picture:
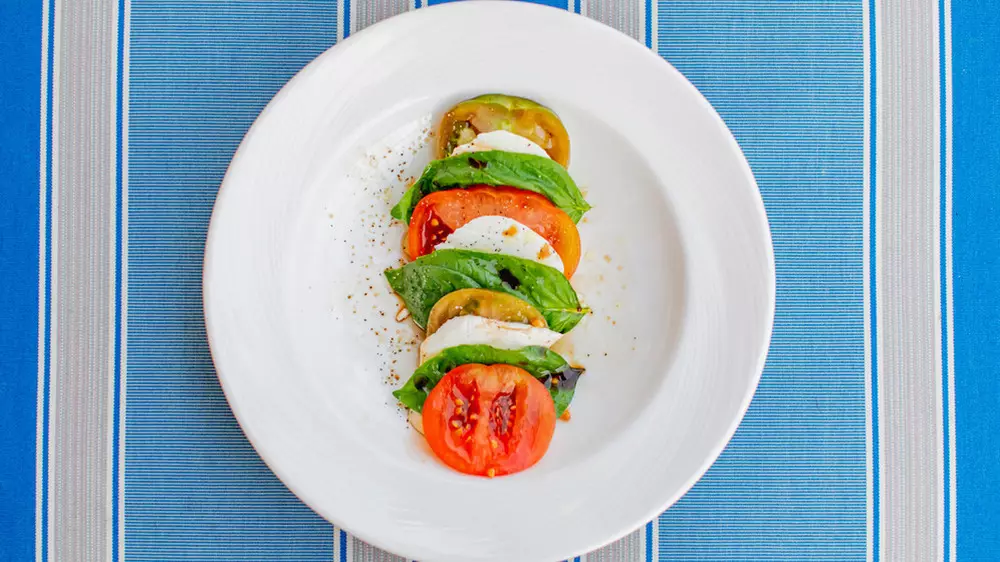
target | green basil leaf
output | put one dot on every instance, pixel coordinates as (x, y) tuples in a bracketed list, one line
[(543, 364), (422, 282), (496, 167)]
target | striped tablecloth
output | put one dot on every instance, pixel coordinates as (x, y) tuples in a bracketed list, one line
[(872, 129)]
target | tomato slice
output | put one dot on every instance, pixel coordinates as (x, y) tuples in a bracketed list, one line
[(489, 420), (484, 303), (442, 212), (494, 112)]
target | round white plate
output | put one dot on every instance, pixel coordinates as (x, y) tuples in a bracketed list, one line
[(678, 268)]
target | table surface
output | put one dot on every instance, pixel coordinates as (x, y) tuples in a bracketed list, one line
[(871, 128)]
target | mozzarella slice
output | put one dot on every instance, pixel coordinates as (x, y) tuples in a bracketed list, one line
[(416, 420), (500, 140), (503, 235), (476, 330)]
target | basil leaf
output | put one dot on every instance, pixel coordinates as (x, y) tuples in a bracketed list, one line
[(422, 282), (543, 364), (496, 167)]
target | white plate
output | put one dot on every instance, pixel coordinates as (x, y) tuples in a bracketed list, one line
[(678, 268)]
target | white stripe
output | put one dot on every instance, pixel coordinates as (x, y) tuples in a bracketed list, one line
[(642, 543), (352, 9), (908, 282), (53, 290), (81, 281), (869, 509), (340, 20), (42, 268), (336, 544), (949, 305), (938, 259), (642, 22)]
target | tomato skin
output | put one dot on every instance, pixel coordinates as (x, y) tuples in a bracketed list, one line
[(439, 214), (489, 420)]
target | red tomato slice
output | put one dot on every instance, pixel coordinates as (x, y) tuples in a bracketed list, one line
[(489, 420), (443, 212)]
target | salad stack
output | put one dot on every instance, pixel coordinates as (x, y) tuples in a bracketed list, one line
[(493, 241)]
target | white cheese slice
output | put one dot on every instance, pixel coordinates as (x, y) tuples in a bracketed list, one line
[(503, 235), (500, 140), (476, 330)]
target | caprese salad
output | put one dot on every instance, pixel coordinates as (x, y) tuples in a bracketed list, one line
[(493, 243)]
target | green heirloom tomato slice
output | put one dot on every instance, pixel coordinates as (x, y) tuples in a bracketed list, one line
[(498, 112)]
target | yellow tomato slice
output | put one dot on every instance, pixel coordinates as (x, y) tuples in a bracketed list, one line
[(484, 303)]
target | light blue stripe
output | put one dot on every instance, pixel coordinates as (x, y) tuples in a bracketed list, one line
[(789, 83), (199, 75)]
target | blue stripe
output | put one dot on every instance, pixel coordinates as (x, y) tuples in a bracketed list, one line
[(944, 280), (120, 279), (649, 23), (649, 541), (347, 18), (789, 82), (21, 28), (872, 271), (343, 546), (976, 271)]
